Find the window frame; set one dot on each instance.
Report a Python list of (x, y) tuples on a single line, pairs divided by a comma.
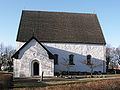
[(71, 59), (89, 59), (55, 59)]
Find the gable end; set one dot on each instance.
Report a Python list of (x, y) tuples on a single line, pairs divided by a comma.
[(51, 56)]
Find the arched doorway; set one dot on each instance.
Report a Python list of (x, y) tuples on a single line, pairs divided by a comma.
[(35, 68)]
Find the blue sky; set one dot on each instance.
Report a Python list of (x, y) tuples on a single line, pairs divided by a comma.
[(108, 12)]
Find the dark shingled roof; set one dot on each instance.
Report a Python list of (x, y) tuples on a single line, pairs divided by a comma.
[(60, 27)]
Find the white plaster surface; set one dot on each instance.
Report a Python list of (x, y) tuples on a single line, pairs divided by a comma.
[(31, 52), (80, 51)]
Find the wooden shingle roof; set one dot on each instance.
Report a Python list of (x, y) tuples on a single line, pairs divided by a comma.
[(60, 27)]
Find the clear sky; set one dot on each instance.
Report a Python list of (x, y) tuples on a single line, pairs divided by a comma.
[(108, 12)]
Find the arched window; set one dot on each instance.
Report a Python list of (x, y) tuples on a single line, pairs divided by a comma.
[(88, 59), (55, 59), (71, 59)]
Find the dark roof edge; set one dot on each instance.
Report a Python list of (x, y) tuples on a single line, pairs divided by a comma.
[(19, 25), (100, 28), (68, 42), (58, 12), (51, 56)]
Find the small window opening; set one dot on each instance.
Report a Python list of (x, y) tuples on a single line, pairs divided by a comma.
[(71, 59), (88, 59), (55, 59)]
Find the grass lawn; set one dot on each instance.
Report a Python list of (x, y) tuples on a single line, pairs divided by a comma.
[(21, 83), (53, 83), (97, 76), (57, 83)]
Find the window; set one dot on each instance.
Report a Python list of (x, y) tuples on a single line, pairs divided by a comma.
[(55, 59), (88, 59), (71, 59)]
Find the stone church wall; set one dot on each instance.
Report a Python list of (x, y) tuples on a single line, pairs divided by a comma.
[(80, 52), (33, 51)]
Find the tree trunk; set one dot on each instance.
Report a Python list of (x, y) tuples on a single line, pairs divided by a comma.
[(107, 67), (0, 66), (68, 71), (91, 70), (107, 62)]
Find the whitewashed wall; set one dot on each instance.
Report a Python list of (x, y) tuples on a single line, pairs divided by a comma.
[(33, 51), (80, 51)]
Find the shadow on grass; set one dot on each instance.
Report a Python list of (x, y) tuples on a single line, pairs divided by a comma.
[(23, 83), (33, 83)]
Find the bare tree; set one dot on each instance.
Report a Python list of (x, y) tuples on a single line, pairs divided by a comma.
[(112, 55), (108, 56), (66, 64), (113, 65), (92, 64), (118, 55), (1, 54), (5, 56), (60, 69)]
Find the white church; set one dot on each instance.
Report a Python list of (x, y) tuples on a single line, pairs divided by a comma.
[(48, 41)]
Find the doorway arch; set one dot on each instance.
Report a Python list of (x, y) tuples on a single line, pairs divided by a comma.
[(35, 68)]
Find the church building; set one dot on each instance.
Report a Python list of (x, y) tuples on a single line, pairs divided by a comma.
[(52, 42)]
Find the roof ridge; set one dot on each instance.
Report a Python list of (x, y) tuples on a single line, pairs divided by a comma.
[(59, 12)]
